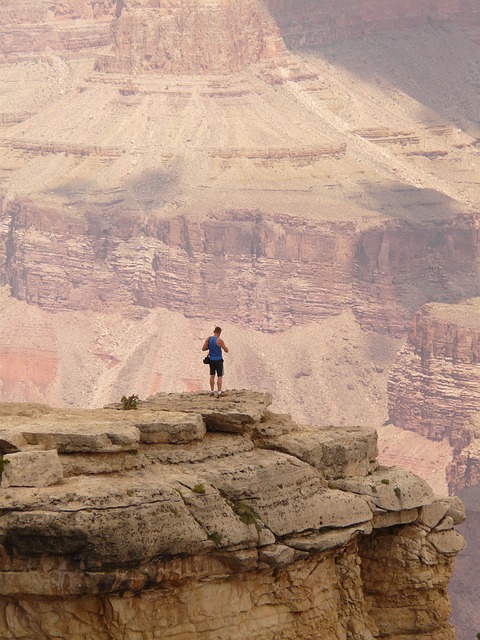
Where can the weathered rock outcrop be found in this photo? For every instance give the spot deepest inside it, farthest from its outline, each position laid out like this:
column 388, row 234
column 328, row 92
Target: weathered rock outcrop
column 70, row 26
column 171, row 37
column 195, row 517
column 303, row 271
column 433, row 390
column 434, row 385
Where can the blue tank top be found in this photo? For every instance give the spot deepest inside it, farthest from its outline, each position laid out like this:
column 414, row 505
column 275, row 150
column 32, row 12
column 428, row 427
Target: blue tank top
column 214, row 350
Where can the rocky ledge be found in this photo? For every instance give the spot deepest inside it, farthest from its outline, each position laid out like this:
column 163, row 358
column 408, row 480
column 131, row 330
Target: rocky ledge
column 198, row 518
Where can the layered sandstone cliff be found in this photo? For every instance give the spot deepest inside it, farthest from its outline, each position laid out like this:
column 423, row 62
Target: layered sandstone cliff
column 197, row 517
column 204, row 35
column 291, row 190
column 267, row 272
column 265, row 173
column 201, row 37
column 433, row 387
column 433, row 390
column 29, row 29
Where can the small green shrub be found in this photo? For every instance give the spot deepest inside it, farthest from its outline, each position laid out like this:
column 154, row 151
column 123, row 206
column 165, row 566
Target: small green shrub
column 199, row 488
column 129, row 402
column 385, row 481
column 216, row 538
column 246, row 514
column 398, row 492
column 3, row 464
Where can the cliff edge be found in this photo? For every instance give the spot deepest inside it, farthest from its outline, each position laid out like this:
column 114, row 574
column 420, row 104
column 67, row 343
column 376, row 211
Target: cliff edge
column 193, row 517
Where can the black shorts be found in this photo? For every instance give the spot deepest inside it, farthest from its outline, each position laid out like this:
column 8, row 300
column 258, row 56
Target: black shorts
column 216, row 367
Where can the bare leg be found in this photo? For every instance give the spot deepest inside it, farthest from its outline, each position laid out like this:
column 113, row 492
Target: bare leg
column 219, row 383
column 212, row 382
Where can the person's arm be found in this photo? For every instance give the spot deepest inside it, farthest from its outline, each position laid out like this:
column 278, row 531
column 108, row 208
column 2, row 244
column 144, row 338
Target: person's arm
column 205, row 345
column 221, row 344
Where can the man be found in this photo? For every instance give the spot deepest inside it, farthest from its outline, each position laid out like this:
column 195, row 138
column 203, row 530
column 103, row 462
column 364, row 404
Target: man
column 214, row 345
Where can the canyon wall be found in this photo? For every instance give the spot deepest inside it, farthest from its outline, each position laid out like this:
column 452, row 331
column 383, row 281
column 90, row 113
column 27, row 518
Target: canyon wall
column 399, row 265
column 268, row 272
column 67, row 26
column 208, row 37
column 434, row 385
column 318, row 22
column 196, row 517
column 215, row 36
column 433, row 389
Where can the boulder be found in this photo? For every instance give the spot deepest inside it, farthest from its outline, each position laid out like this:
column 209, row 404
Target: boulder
column 173, row 427
column 31, row 469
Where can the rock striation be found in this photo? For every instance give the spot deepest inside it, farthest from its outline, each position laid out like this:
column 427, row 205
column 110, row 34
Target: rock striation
column 29, row 29
column 433, row 386
column 303, row 271
column 214, row 36
column 188, row 145
column 196, row 517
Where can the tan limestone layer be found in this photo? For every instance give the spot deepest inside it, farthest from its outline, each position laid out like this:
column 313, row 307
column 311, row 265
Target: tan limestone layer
column 401, row 585
column 256, row 605
column 240, row 541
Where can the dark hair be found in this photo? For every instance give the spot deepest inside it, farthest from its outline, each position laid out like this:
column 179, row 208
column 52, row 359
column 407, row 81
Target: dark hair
column 217, row 330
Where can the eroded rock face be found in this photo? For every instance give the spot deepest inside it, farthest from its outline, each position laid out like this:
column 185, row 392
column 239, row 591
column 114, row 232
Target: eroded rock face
column 433, row 387
column 232, row 533
column 435, row 368
column 213, row 155
column 174, row 37
column 69, row 26
column 303, row 271
column 399, row 265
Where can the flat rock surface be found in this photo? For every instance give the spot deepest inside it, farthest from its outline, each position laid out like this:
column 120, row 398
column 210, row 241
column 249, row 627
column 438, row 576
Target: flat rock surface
column 234, row 412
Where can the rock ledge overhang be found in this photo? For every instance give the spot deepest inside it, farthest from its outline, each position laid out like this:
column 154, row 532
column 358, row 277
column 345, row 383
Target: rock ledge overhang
column 187, row 473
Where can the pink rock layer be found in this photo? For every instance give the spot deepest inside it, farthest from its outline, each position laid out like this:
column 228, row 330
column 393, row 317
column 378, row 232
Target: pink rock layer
column 303, row 271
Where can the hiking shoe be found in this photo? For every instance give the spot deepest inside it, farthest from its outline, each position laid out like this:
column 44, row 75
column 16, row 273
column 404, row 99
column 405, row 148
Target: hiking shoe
column 211, row 394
